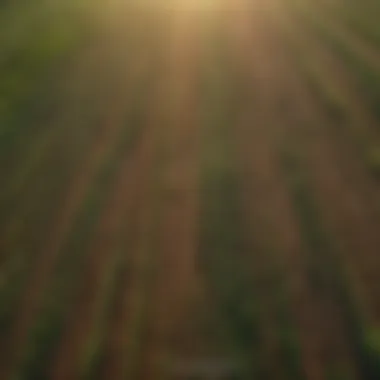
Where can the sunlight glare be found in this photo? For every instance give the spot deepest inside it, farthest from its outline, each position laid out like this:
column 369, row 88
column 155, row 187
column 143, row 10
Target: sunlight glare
column 194, row 4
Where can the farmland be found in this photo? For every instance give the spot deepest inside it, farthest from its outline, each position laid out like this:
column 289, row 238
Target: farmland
column 190, row 190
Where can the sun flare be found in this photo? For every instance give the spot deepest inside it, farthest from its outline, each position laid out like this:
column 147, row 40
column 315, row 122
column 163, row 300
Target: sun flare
column 195, row 4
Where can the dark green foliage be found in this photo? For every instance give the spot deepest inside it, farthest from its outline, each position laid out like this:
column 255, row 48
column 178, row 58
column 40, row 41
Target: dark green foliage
column 223, row 257
column 325, row 268
column 46, row 335
column 366, row 73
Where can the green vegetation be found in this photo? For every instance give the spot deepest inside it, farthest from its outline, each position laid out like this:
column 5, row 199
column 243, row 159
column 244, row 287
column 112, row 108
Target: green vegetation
column 95, row 344
column 78, row 81
column 318, row 244
column 332, row 99
column 325, row 91
column 366, row 73
column 35, row 41
column 49, row 327
column 326, row 270
column 22, row 249
column 373, row 160
column 146, row 267
column 223, row 257
column 360, row 17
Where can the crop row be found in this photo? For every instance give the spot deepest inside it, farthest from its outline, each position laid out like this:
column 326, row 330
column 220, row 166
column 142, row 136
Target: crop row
column 326, row 270
column 45, row 336
column 223, row 258
column 366, row 74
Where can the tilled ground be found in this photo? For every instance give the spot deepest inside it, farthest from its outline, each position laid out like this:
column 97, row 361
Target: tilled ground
column 201, row 202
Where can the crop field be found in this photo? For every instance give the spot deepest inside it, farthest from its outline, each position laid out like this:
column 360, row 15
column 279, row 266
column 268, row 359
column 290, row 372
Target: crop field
column 190, row 190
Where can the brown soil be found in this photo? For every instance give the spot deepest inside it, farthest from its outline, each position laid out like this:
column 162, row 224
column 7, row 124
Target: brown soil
column 177, row 240
column 281, row 97
column 356, row 219
column 162, row 310
column 41, row 274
